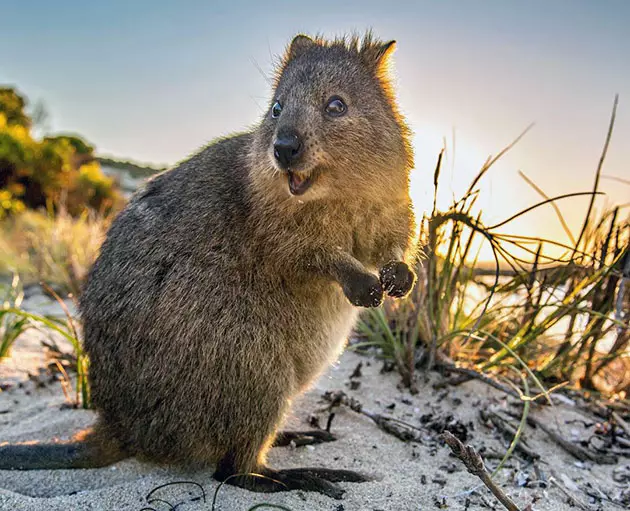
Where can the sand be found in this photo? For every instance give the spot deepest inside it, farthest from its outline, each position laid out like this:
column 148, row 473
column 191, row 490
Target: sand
column 407, row 476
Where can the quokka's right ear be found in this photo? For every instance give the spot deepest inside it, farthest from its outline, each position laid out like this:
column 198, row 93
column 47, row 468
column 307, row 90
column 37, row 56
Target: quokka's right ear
column 377, row 56
column 300, row 44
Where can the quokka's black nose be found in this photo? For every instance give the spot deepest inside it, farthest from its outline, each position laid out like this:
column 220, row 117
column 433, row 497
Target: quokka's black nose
column 287, row 148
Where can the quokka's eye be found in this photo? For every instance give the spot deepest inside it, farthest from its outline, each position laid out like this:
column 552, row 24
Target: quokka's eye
column 336, row 107
column 276, row 110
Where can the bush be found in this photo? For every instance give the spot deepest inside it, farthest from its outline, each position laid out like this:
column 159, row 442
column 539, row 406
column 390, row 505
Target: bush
column 47, row 173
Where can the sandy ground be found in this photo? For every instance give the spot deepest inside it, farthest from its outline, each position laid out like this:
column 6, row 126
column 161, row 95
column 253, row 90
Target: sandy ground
column 407, row 476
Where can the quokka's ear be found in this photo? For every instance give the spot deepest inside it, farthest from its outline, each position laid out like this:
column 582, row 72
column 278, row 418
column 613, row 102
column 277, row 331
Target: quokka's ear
column 376, row 56
column 300, row 44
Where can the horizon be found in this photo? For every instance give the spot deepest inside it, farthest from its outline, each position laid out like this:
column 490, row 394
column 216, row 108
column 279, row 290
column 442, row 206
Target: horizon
column 154, row 85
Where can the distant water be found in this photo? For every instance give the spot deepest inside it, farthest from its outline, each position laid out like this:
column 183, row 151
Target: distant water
column 128, row 183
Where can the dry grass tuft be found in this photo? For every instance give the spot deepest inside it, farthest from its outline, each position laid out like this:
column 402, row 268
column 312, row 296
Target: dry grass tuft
column 561, row 319
column 57, row 249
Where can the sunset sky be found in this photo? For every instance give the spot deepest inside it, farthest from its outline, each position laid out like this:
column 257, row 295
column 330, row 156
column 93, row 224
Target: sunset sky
column 156, row 80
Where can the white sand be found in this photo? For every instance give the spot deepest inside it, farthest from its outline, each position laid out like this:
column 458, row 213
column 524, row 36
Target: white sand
column 408, row 476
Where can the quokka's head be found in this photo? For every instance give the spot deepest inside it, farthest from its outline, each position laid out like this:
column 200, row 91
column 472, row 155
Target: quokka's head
column 332, row 127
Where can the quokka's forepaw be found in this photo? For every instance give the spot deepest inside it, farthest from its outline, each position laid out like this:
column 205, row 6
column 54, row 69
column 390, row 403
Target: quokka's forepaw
column 397, row 279
column 364, row 290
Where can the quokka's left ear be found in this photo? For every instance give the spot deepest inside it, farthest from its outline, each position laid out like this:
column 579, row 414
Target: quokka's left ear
column 300, row 44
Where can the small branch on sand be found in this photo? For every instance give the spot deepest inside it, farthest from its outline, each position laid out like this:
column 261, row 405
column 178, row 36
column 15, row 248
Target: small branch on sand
column 508, row 430
column 575, row 450
column 474, row 464
column 619, row 420
column 399, row 429
column 470, row 374
column 331, row 416
column 572, row 498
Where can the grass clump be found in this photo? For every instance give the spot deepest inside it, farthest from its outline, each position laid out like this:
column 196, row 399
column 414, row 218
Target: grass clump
column 11, row 325
column 561, row 319
column 14, row 321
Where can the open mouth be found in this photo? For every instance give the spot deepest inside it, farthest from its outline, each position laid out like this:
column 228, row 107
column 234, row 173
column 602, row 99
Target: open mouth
column 299, row 183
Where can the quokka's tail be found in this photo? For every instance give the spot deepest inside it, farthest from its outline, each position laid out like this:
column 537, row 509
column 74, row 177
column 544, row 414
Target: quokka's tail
column 88, row 452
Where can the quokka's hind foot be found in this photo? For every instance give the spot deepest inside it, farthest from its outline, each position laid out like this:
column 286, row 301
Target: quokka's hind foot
column 271, row 481
column 328, row 474
column 320, row 480
column 254, row 482
column 299, row 438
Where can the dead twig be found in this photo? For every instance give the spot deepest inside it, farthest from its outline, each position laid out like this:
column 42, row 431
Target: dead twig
column 472, row 374
column 446, row 363
column 620, row 422
column 400, row 429
column 509, row 431
column 474, row 464
column 573, row 449
column 331, row 416
column 571, row 497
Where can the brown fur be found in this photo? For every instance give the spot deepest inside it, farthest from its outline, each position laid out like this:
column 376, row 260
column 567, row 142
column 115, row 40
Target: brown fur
column 218, row 296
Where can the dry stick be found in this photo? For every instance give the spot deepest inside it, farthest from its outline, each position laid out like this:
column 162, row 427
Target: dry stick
column 621, row 423
column 474, row 464
column 572, row 498
column 399, row 429
column 575, row 450
column 622, row 441
column 506, row 427
column 472, row 374
column 331, row 416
